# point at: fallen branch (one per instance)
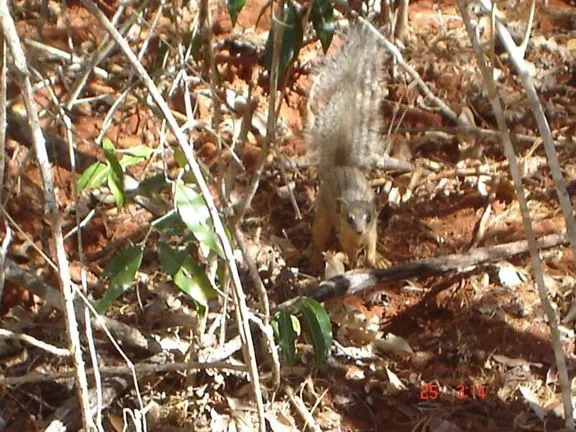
(145, 368)
(129, 336)
(356, 281)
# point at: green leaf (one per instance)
(234, 8)
(116, 173)
(122, 270)
(186, 273)
(110, 153)
(290, 45)
(143, 152)
(116, 189)
(296, 324)
(287, 335)
(182, 162)
(129, 160)
(121, 267)
(170, 259)
(135, 155)
(170, 224)
(94, 176)
(180, 157)
(318, 328)
(323, 21)
(188, 177)
(193, 211)
(190, 286)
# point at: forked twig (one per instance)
(393, 50)
(537, 270)
(239, 295)
(23, 76)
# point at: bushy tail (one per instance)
(345, 99)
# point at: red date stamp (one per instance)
(463, 391)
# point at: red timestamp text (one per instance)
(463, 391)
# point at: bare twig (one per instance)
(3, 253)
(3, 83)
(23, 75)
(391, 48)
(401, 28)
(474, 131)
(84, 309)
(253, 271)
(63, 55)
(142, 368)
(278, 30)
(268, 337)
(3, 119)
(60, 352)
(517, 179)
(359, 280)
(302, 410)
(127, 335)
(247, 113)
(543, 127)
(100, 54)
(240, 297)
(524, 43)
(205, 25)
(106, 46)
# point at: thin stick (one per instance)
(537, 270)
(142, 368)
(3, 119)
(60, 352)
(205, 23)
(240, 297)
(446, 110)
(470, 130)
(278, 28)
(3, 85)
(63, 55)
(23, 76)
(302, 410)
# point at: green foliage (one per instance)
(286, 327)
(93, 177)
(115, 174)
(317, 328)
(122, 270)
(113, 171)
(234, 8)
(323, 21)
(322, 17)
(170, 224)
(151, 184)
(186, 274)
(192, 209)
(189, 220)
(291, 42)
(135, 155)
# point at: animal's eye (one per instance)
(368, 218)
(350, 219)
